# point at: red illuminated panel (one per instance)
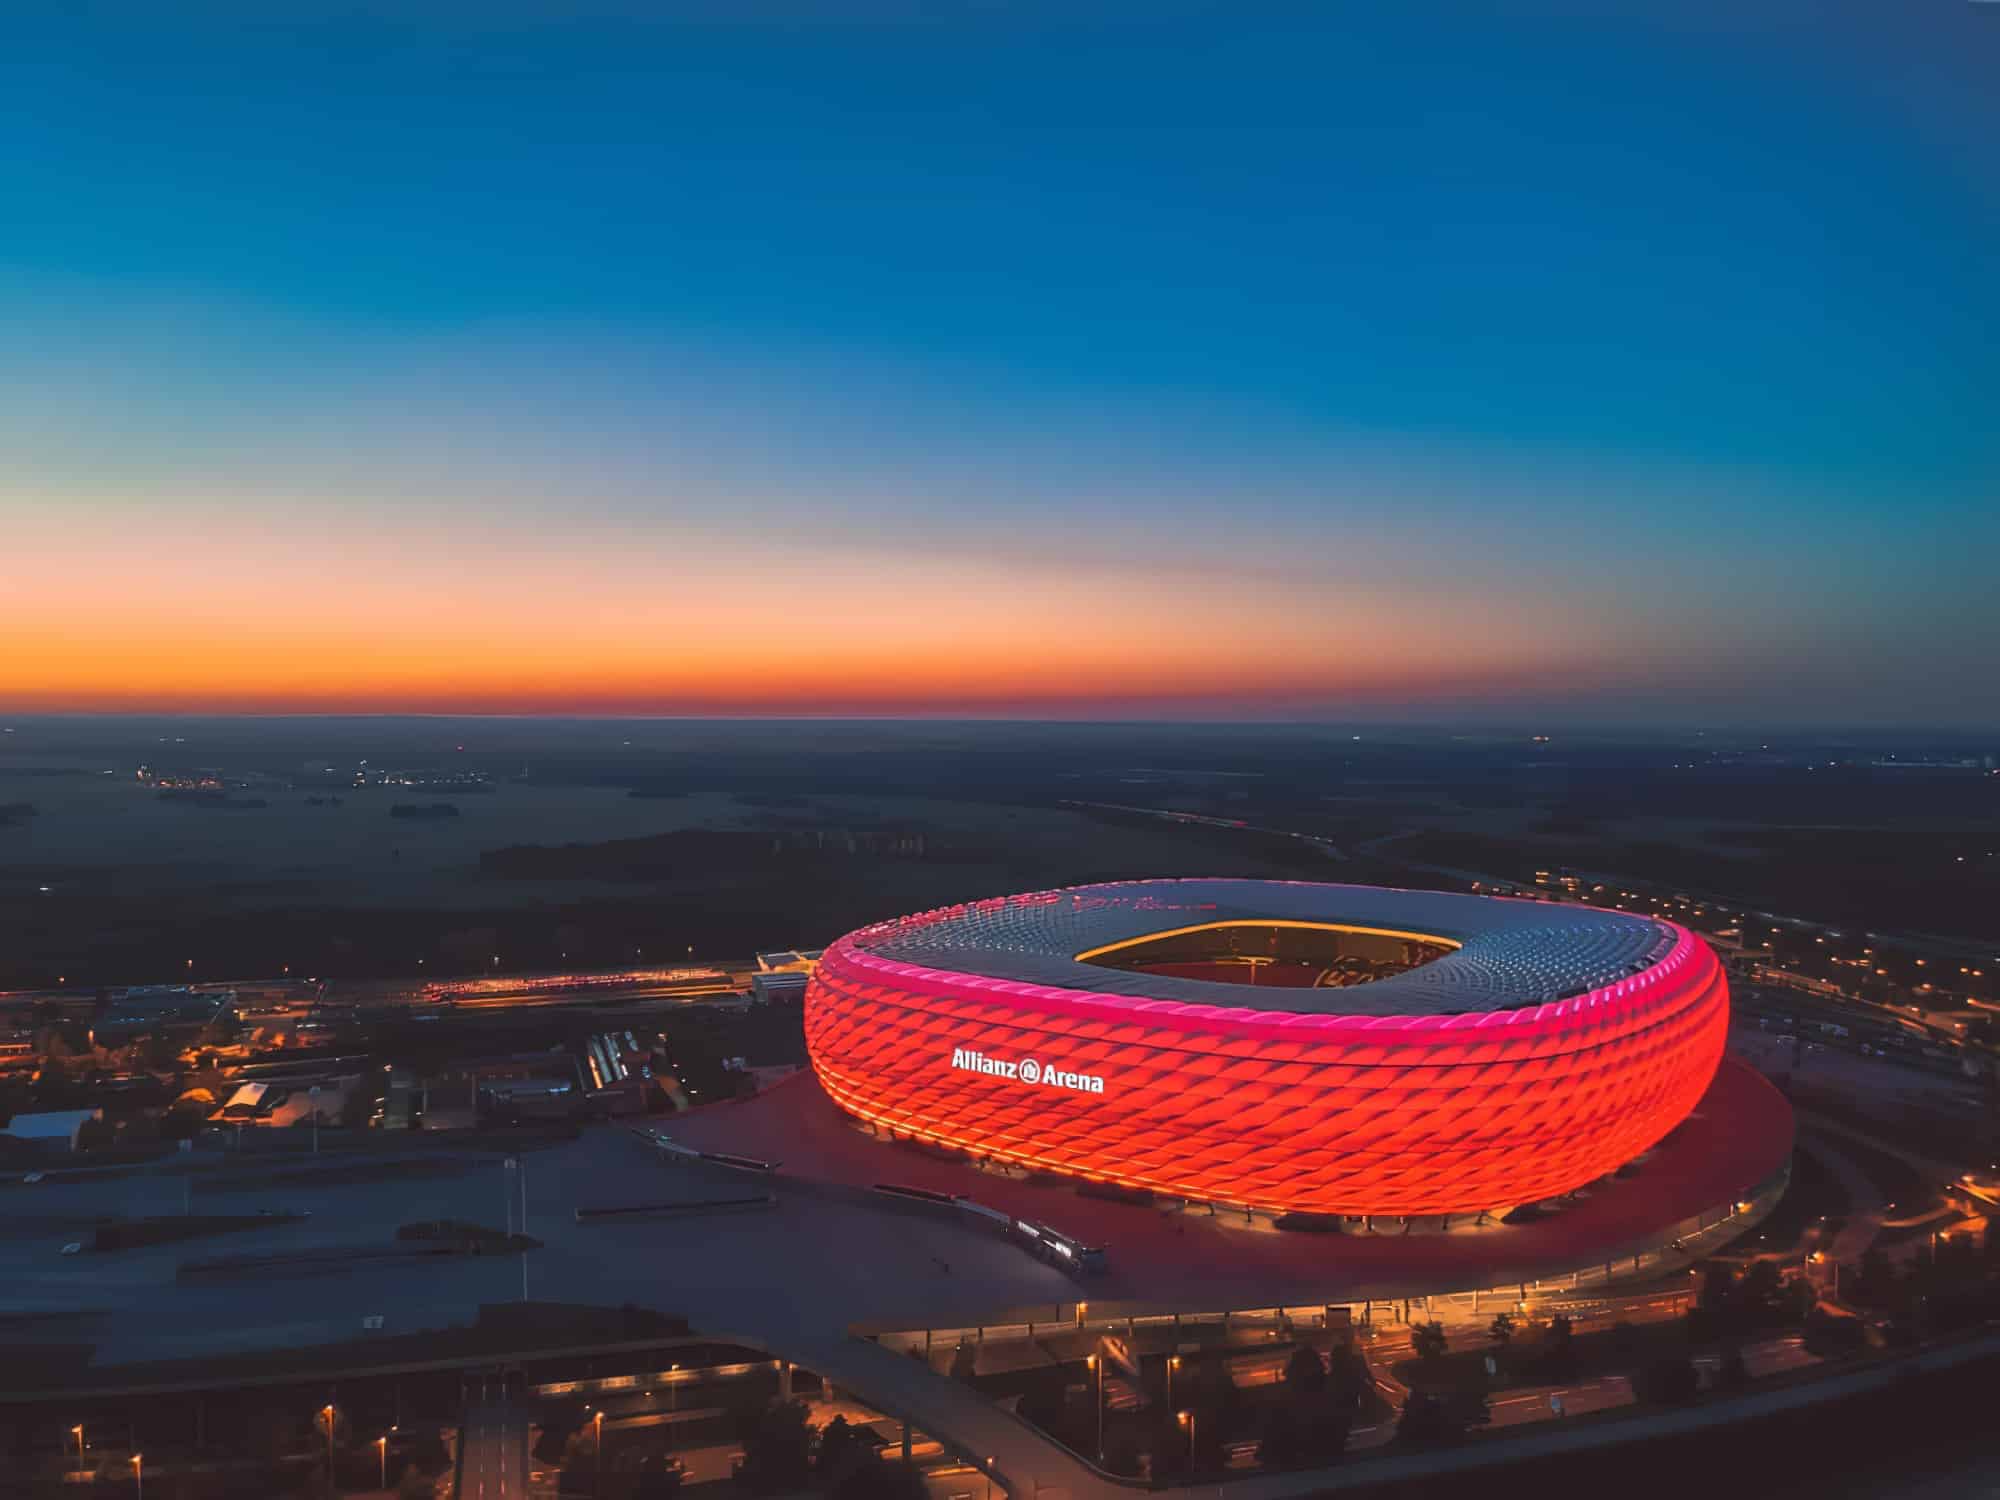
(1324, 1113)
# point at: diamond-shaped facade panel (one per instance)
(1556, 1044)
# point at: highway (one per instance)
(494, 1456)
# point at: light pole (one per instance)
(78, 1430)
(1187, 1421)
(382, 1452)
(597, 1454)
(327, 1412)
(139, 1473)
(1173, 1364)
(1098, 1365)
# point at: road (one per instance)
(1531, 1404)
(494, 1456)
(1770, 1357)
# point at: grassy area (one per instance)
(128, 1234)
(1602, 1352)
(513, 1330)
(1907, 1189)
(1815, 1194)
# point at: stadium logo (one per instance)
(1027, 1070)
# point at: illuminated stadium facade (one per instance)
(1279, 1045)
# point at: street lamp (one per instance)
(382, 1452)
(516, 1176)
(327, 1412)
(1098, 1365)
(1173, 1364)
(1187, 1421)
(597, 1454)
(139, 1473)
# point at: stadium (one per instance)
(1284, 1046)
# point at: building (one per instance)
(52, 1130)
(253, 1101)
(1279, 1045)
(783, 976)
(169, 1010)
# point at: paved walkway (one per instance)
(1864, 1200)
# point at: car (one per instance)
(74, 1247)
(34, 1177)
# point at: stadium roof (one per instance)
(1510, 953)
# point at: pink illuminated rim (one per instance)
(1689, 958)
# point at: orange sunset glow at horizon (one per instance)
(406, 619)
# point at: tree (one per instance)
(777, 1448)
(1347, 1379)
(1428, 1340)
(1733, 1374)
(1670, 1380)
(1755, 1303)
(1325, 1430)
(93, 1134)
(1502, 1329)
(1281, 1446)
(1710, 1316)
(184, 1121)
(1168, 1443)
(1305, 1374)
(838, 1446)
(1873, 1282)
(1470, 1408)
(1828, 1334)
(1796, 1300)
(1426, 1420)
(658, 1479)
(1121, 1453)
(1217, 1405)
(1559, 1360)
(884, 1481)
(581, 1461)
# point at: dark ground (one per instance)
(604, 841)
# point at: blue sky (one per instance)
(1657, 347)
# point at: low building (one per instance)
(172, 1010)
(54, 1130)
(783, 975)
(254, 1101)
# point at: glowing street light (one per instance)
(139, 1473)
(1098, 1365)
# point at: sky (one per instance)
(1498, 363)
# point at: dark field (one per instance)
(586, 843)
